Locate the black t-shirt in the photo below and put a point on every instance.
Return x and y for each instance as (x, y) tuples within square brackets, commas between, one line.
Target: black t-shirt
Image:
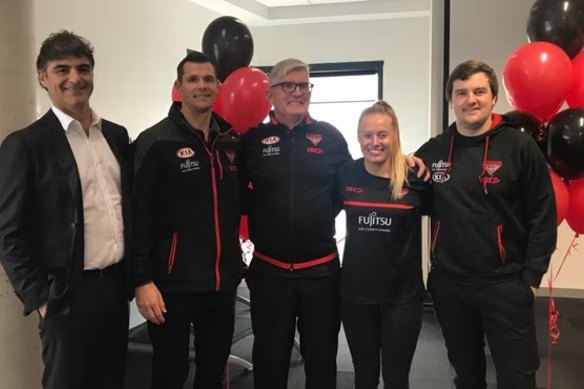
[(382, 258)]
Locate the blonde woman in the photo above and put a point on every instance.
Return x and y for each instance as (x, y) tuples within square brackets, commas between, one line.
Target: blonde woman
[(381, 278)]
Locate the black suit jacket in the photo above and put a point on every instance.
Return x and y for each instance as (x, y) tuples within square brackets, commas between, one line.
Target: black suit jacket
[(41, 211)]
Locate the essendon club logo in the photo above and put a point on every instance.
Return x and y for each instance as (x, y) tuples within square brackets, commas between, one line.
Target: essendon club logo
[(271, 140), (314, 138), (185, 152), (492, 166), (231, 155)]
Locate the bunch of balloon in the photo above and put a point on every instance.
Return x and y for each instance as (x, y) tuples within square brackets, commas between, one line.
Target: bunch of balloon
[(242, 99), (566, 156), (539, 77)]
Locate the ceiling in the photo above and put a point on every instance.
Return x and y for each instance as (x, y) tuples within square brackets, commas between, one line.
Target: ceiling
[(272, 12), (284, 3)]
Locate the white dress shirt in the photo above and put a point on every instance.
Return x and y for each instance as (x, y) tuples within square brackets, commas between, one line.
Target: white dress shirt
[(99, 172)]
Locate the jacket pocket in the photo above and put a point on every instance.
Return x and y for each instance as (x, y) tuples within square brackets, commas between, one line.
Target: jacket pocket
[(172, 251), (468, 244)]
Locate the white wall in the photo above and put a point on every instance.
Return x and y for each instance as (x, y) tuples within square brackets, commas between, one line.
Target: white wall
[(490, 31), (403, 45), (138, 44)]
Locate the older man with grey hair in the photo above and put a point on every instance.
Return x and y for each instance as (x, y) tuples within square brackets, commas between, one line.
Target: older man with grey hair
[(291, 163)]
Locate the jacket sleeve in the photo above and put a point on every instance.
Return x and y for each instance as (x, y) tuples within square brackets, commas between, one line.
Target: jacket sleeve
[(344, 157), (540, 214), (27, 277), (147, 178)]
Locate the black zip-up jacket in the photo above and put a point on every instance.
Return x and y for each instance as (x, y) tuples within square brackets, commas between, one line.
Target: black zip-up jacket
[(186, 206), (493, 211), (292, 207)]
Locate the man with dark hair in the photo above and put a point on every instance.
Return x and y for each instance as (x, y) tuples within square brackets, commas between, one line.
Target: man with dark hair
[(64, 223), (187, 258), (494, 232)]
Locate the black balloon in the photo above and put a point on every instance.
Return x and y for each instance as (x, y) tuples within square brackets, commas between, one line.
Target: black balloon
[(528, 124), (228, 43), (560, 22), (566, 143)]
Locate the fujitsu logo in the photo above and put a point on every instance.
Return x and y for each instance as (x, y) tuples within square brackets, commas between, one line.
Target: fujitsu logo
[(189, 165), (185, 152), (271, 140), (441, 165), (271, 151), (373, 220)]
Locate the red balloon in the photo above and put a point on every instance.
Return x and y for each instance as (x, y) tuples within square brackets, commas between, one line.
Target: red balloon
[(537, 76), (575, 216), (562, 196), (575, 95), (217, 107), (242, 99), (174, 95)]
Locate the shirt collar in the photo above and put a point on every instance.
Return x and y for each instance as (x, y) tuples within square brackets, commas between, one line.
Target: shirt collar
[(67, 120)]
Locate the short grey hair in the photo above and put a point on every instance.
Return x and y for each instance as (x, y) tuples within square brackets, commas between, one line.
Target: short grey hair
[(284, 67)]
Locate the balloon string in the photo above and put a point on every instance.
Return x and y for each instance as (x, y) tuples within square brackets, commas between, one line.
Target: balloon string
[(553, 328), (573, 246)]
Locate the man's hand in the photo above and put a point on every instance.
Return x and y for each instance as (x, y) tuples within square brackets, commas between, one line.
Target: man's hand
[(150, 303), (414, 161), (42, 310)]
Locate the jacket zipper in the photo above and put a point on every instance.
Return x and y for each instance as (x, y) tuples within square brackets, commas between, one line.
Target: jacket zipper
[(172, 253), (502, 252), (292, 149), (215, 211), (435, 235)]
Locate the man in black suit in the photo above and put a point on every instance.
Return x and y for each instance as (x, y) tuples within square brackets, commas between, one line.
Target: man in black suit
[(64, 216)]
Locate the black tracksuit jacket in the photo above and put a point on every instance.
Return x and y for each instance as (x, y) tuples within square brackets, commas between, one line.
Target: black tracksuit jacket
[(292, 206), (493, 207), (186, 206)]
